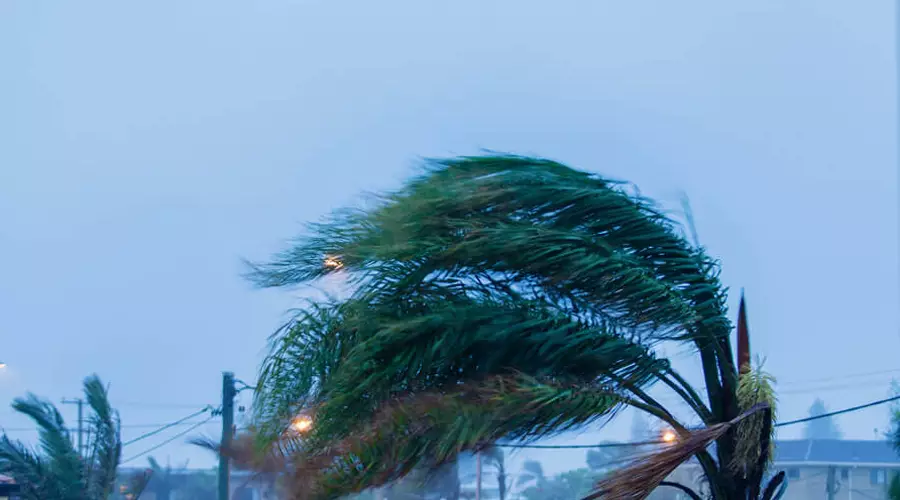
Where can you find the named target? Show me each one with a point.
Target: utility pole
(80, 403)
(478, 476)
(228, 393)
(830, 485)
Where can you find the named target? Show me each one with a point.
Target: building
(8, 487)
(856, 469)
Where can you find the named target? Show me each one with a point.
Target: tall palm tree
(56, 469)
(495, 457)
(502, 297)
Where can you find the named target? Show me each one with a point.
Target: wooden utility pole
(80, 403)
(228, 393)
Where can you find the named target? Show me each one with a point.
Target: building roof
(836, 451)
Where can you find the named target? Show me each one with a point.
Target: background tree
(56, 470)
(569, 485)
(532, 476)
(497, 298)
(604, 460)
(495, 458)
(822, 428)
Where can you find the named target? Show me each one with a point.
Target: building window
(877, 476)
(793, 473)
(845, 473)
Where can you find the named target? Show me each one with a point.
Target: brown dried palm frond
(425, 430)
(638, 480)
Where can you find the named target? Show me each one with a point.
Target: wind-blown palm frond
(106, 445)
(481, 268)
(29, 470)
(636, 481)
(64, 467)
(432, 429)
(58, 471)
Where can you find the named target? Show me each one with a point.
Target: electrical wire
(75, 429)
(839, 412)
(167, 426)
(167, 441)
(644, 443)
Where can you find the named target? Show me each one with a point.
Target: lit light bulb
(301, 424)
(333, 262)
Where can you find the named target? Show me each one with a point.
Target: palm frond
(564, 235)
(30, 471)
(64, 466)
(482, 267)
(636, 481)
(106, 445)
(432, 429)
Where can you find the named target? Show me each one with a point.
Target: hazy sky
(146, 147)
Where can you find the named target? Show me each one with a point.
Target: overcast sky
(146, 147)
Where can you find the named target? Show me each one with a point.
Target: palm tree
(495, 457)
(56, 469)
(532, 475)
(502, 297)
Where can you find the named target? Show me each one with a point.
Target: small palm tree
(532, 475)
(501, 297)
(495, 457)
(56, 470)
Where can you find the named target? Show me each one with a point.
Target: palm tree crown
(495, 297)
(56, 469)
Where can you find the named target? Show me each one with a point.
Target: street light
(301, 424)
(332, 262)
(669, 436)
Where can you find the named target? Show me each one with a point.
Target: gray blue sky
(146, 147)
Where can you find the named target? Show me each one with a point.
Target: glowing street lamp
(332, 262)
(301, 424)
(669, 436)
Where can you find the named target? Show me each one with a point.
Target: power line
(578, 446)
(167, 441)
(124, 426)
(643, 443)
(167, 426)
(839, 412)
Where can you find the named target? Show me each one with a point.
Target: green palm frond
(480, 268)
(432, 428)
(446, 343)
(567, 236)
(29, 469)
(56, 470)
(64, 466)
(106, 445)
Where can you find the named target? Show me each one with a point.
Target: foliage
(755, 387)
(56, 469)
(821, 428)
(167, 482)
(495, 297)
(604, 460)
(570, 485)
(893, 489)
